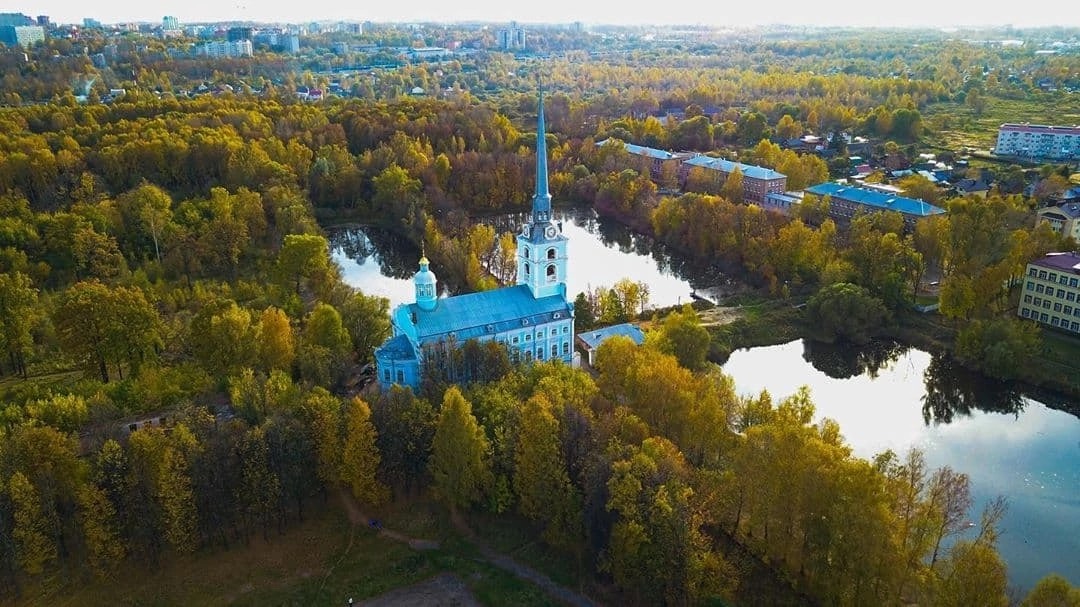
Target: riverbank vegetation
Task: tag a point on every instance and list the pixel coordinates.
(181, 359)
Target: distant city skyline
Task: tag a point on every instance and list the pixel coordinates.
(915, 13)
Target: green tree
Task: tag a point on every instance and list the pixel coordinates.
(405, 428)
(98, 325)
(325, 352)
(304, 257)
(223, 338)
(147, 209)
(999, 346)
(367, 319)
(845, 312)
(460, 464)
(682, 336)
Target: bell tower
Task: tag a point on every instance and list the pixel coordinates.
(541, 246)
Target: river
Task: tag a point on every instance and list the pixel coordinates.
(883, 396)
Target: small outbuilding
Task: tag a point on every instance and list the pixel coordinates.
(591, 340)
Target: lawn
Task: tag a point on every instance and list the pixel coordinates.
(321, 562)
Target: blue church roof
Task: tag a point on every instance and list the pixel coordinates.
(485, 313)
(880, 200)
(396, 348)
(594, 338)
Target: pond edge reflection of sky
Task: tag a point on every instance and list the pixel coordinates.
(1030, 455)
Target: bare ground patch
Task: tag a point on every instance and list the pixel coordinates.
(443, 590)
(719, 316)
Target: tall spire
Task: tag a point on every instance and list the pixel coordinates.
(542, 198)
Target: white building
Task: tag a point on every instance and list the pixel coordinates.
(1038, 141)
(235, 48)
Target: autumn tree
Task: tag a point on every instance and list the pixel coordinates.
(360, 455)
(460, 463)
(545, 494)
(18, 302)
(732, 190)
(34, 545)
(274, 340)
(682, 336)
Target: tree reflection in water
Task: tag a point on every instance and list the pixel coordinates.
(841, 361)
(396, 256)
(952, 390)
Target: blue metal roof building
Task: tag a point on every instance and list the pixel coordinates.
(532, 319)
(591, 340)
(728, 166)
(846, 200)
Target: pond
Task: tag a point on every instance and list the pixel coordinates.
(892, 397)
(601, 253)
(883, 396)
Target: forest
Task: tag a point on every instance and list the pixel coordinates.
(162, 261)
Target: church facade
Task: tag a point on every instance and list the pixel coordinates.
(534, 319)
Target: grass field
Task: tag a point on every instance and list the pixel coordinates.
(323, 561)
(955, 126)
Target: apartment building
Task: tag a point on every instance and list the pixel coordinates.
(1051, 293)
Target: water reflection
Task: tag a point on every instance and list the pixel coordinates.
(952, 390)
(1008, 443)
(842, 361)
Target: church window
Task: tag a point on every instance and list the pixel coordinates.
(400, 376)
(554, 351)
(540, 334)
(551, 273)
(539, 354)
(515, 339)
(565, 348)
(525, 252)
(551, 253)
(565, 330)
(528, 356)
(528, 337)
(528, 269)
(386, 375)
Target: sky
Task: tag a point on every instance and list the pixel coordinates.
(922, 13)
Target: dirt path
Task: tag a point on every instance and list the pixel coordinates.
(357, 517)
(506, 563)
(498, 559)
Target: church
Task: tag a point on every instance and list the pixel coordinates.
(534, 319)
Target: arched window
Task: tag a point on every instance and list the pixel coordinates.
(528, 268)
(551, 273)
(551, 253)
(525, 252)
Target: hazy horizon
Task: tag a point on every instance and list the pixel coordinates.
(840, 13)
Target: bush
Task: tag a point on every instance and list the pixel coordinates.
(846, 312)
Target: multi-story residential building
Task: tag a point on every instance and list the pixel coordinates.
(758, 182)
(1063, 219)
(170, 23)
(1038, 141)
(238, 48)
(512, 38)
(846, 200)
(1051, 293)
(22, 35)
(659, 162)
